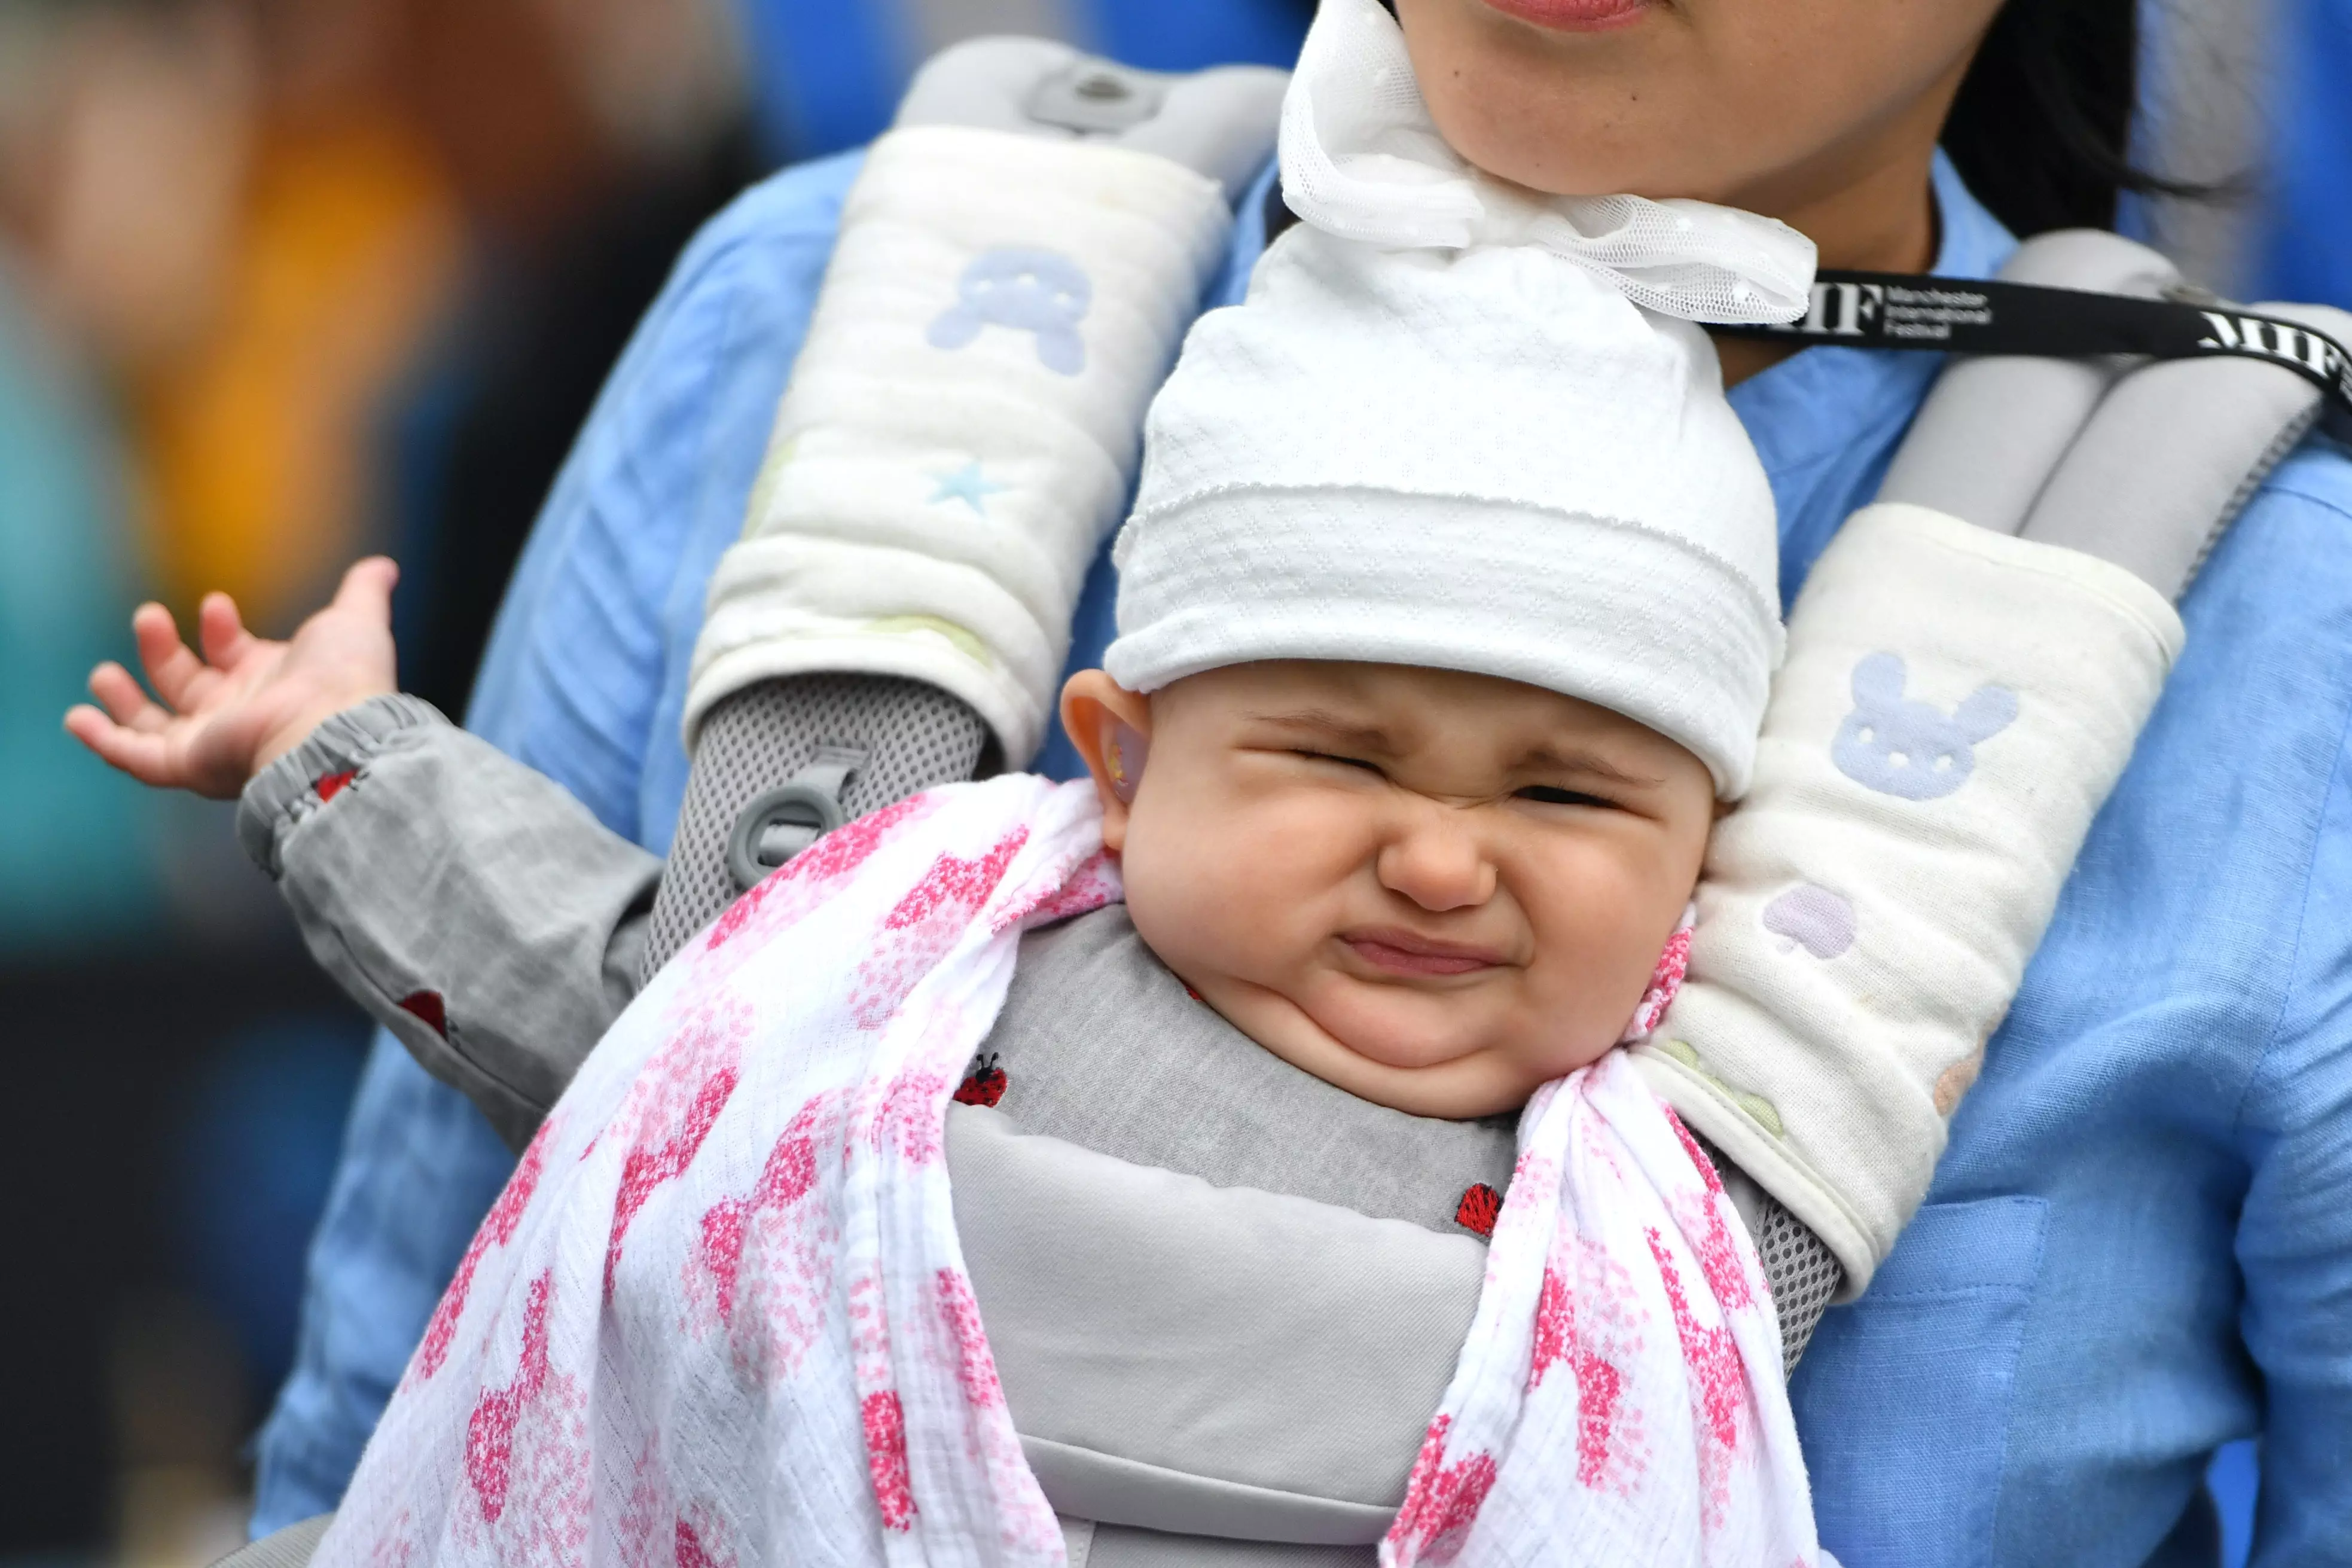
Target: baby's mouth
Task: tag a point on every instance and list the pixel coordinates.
(1400, 952)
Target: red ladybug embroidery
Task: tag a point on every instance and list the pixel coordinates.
(428, 1007)
(984, 1085)
(1480, 1207)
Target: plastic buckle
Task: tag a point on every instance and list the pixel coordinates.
(1094, 97)
(781, 823)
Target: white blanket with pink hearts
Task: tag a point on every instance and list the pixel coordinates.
(720, 1318)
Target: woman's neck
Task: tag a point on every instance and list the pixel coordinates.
(1869, 206)
(1894, 230)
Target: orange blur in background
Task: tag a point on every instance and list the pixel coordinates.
(281, 281)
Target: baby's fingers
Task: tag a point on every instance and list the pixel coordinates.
(366, 588)
(222, 632)
(146, 757)
(125, 700)
(173, 667)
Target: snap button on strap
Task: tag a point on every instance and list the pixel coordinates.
(1095, 98)
(781, 823)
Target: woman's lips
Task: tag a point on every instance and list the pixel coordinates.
(1574, 16)
(1404, 952)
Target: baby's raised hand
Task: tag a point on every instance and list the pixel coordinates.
(229, 714)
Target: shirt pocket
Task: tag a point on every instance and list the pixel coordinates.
(1903, 1399)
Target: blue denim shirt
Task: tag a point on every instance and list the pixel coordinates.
(2139, 1244)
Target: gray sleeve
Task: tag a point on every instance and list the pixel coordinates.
(472, 906)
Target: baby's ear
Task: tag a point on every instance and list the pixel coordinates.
(1111, 728)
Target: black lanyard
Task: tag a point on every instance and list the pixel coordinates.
(1963, 315)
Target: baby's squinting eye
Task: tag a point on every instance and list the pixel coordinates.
(1551, 794)
(1343, 761)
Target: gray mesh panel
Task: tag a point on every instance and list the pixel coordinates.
(289, 1548)
(1800, 1271)
(1803, 1275)
(919, 735)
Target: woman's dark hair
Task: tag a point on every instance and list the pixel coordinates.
(2041, 129)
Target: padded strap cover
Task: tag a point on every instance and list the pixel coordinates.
(1955, 708)
(962, 427)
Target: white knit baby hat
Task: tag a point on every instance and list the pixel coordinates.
(1460, 426)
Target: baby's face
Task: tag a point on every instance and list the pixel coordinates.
(1435, 891)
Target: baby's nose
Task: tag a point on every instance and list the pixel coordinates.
(1438, 866)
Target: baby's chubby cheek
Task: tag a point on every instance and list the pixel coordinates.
(1236, 896)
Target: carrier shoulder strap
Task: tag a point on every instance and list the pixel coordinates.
(761, 786)
(2137, 457)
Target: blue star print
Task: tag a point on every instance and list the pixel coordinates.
(966, 485)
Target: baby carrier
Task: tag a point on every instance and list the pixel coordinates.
(2107, 407)
(2133, 459)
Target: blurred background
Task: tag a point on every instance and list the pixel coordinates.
(282, 282)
